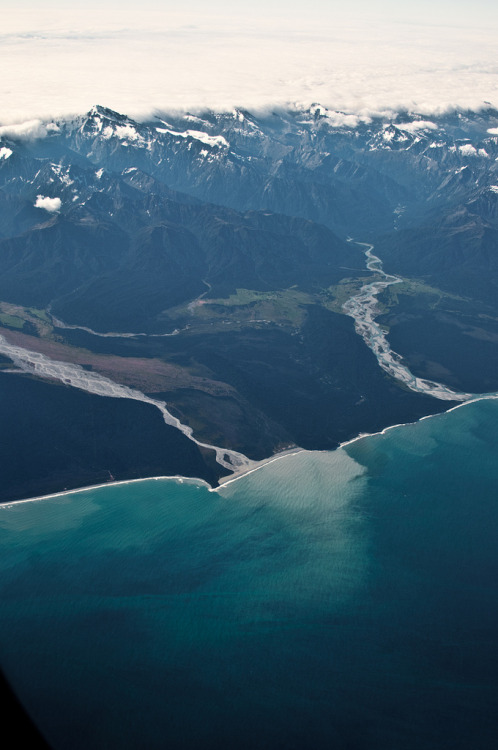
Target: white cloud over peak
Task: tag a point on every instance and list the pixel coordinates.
(145, 59)
(52, 205)
(416, 125)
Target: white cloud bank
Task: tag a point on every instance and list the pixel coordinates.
(142, 59)
(25, 131)
(416, 125)
(52, 205)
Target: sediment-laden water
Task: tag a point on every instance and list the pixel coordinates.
(327, 600)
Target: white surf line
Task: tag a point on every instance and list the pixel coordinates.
(363, 309)
(223, 482)
(75, 376)
(472, 400)
(89, 488)
(257, 465)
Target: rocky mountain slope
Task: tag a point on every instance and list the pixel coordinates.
(216, 244)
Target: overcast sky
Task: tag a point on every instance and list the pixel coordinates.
(142, 57)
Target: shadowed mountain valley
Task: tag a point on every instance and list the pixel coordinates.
(208, 267)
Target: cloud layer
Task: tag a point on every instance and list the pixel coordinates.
(62, 62)
(26, 131)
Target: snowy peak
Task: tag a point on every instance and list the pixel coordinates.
(104, 113)
(105, 123)
(333, 167)
(213, 141)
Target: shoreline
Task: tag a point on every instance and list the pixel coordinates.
(237, 474)
(175, 477)
(242, 472)
(72, 374)
(484, 397)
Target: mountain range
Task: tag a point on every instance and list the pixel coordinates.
(205, 258)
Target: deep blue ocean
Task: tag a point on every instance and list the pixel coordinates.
(341, 600)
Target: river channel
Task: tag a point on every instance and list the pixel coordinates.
(364, 309)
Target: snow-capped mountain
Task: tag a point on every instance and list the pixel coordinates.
(205, 258)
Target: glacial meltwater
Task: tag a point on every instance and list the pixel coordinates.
(343, 600)
(363, 308)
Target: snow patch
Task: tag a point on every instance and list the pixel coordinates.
(467, 150)
(390, 134)
(63, 176)
(97, 121)
(99, 173)
(192, 118)
(5, 152)
(493, 188)
(493, 131)
(123, 132)
(127, 132)
(198, 135)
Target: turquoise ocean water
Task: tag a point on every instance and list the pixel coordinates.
(329, 600)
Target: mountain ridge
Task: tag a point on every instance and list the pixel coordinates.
(217, 243)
